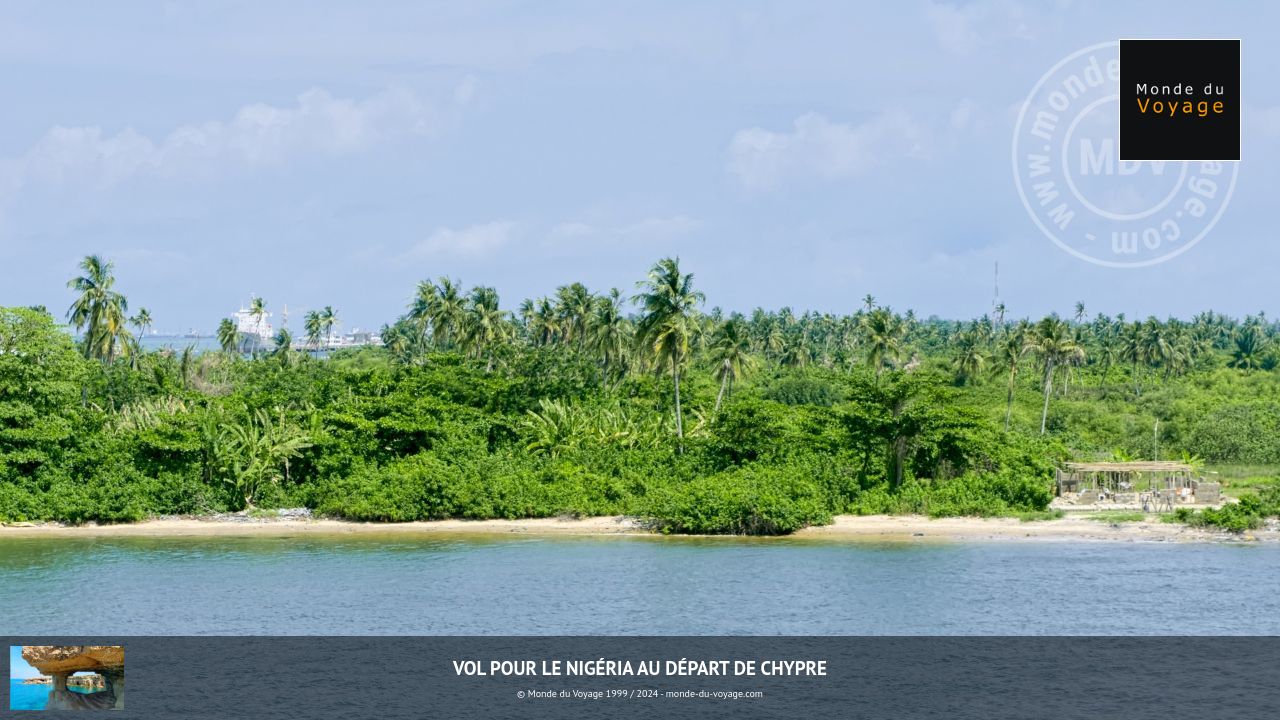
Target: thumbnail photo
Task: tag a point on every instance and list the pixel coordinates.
(66, 677)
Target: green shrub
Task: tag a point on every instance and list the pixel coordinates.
(805, 391)
(743, 501)
(1248, 514)
(978, 494)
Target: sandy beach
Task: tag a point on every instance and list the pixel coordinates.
(871, 528)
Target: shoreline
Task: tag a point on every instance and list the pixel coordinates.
(852, 528)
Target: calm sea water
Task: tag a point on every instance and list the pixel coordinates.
(393, 585)
(31, 697)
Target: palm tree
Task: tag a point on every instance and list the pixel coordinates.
(1251, 347)
(1080, 311)
(228, 336)
(99, 310)
(283, 350)
(574, 304)
(484, 324)
(142, 321)
(421, 309)
(1134, 349)
(668, 304)
(730, 353)
(541, 322)
(1011, 350)
(448, 313)
(883, 333)
(328, 318)
(313, 325)
(970, 360)
(258, 311)
(1108, 350)
(608, 330)
(1052, 341)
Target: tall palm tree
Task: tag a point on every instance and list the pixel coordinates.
(258, 310)
(313, 325)
(970, 358)
(668, 304)
(328, 319)
(542, 324)
(1134, 349)
(422, 309)
(1052, 341)
(731, 355)
(448, 313)
(1107, 349)
(574, 304)
(228, 336)
(883, 334)
(485, 324)
(99, 310)
(142, 321)
(608, 331)
(1011, 350)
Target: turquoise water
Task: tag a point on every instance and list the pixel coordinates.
(31, 697)
(628, 585)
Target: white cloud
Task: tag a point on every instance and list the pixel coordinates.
(257, 135)
(476, 241)
(817, 147)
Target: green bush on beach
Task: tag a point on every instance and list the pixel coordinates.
(1249, 513)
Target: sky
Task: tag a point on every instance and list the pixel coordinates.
(791, 154)
(18, 668)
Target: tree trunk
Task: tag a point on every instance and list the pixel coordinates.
(1008, 412)
(724, 382)
(1048, 390)
(675, 374)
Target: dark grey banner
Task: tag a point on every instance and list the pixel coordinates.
(690, 677)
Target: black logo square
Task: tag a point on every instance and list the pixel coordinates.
(1179, 99)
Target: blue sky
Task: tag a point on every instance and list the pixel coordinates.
(800, 154)
(18, 668)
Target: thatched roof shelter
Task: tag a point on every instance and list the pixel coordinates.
(1140, 466)
(1125, 477)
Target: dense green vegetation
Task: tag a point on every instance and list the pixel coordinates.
(586, 404)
